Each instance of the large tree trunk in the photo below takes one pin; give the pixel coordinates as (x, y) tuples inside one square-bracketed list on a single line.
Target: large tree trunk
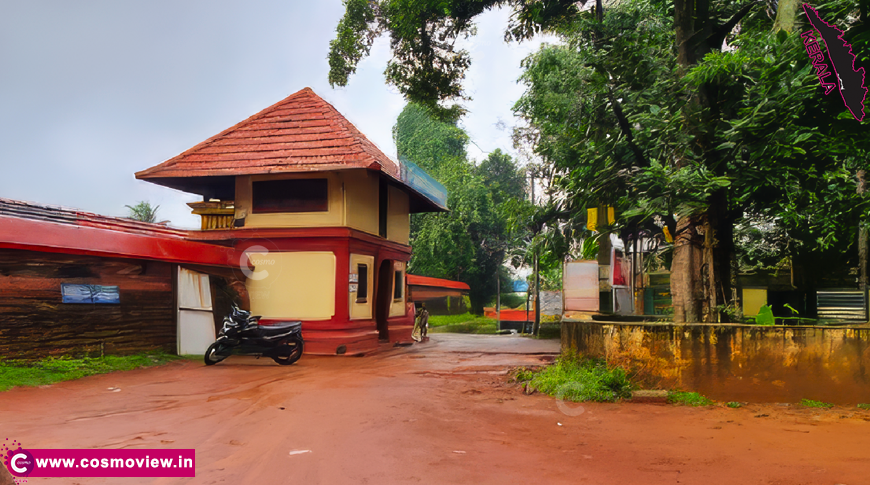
[(701, 272), (719, 252), (862, 238), (687, 294), (701, 278)]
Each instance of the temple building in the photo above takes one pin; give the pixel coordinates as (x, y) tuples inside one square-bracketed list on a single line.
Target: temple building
[(320, 215), (303, 218)]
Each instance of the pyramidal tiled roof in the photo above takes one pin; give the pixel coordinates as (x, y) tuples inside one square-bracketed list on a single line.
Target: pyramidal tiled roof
[(302, 133)]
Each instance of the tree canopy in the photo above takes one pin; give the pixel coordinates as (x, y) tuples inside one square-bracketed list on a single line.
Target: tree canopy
[(143, 211), (704, 116), (468, 243), (426, 67)]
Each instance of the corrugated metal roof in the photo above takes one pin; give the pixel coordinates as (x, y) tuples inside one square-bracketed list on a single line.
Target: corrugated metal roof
[(299, 134), (37, 227), (63, 215)]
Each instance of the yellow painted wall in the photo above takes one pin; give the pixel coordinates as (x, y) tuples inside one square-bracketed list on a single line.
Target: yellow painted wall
[(753, 300), (362, 309), (398, 216), (353, 202), (397, 307), (331, 218), (293, 285), (361, 200)]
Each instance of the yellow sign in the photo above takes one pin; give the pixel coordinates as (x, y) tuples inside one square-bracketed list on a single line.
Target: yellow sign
[(592, 217), (668, 237)]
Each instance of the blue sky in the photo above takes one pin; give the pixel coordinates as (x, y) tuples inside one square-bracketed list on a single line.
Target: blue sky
[(95, 90)]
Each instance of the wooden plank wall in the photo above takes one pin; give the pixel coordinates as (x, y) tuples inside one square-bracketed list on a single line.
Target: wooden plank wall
[(35, 323)]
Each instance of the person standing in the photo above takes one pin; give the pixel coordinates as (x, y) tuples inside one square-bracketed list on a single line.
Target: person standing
[(421, 324)]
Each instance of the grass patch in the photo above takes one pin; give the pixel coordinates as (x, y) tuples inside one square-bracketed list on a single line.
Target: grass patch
[(576, 379), (734, 404), (809, 403), (15, 373), (864, 406), (465, 328), (463, 319), (464, 323), (688, 399)]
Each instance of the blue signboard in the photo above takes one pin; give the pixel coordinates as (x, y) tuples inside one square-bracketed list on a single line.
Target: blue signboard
[(520, 286), (422, 182), (90, 294)]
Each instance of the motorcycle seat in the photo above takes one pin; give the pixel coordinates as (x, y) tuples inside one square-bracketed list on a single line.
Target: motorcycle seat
[(278, 328)]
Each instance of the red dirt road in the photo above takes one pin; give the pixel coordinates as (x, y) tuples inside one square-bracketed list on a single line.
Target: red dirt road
[(433, 413)]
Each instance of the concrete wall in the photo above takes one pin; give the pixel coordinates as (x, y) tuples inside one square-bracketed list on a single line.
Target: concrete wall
[(361, 201), (733, 362), (551, 303)]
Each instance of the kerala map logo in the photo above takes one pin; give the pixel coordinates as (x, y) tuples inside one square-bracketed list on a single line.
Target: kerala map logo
[(846, 78)]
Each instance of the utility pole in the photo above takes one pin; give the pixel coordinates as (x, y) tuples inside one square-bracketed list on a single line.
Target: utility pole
[(497, 302), (862, 243), (536, 326)]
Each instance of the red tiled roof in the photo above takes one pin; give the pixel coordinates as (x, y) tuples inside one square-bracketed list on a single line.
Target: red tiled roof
[(416, 280), (299, 134)]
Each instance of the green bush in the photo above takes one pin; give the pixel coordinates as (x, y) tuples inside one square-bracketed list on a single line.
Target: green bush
[(523, 374), (864, 406), (809, 403), (513, 300), (734, 404), (688, 399), (765, 316), (577, 379)]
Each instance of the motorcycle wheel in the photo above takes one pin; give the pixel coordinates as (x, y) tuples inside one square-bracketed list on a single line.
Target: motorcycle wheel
[(294, 355), (212, 354)]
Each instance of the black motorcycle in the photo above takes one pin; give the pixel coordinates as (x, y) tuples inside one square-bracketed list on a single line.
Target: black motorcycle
[(243, 334)]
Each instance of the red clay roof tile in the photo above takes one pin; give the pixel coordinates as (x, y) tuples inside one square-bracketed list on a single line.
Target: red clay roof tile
[(299, 134)]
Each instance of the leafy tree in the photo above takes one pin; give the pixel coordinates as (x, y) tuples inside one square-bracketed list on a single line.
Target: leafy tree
[(143, 211), (426, 66), (643, 110), (469, 242), (501, 175), (433, 145), (734, 138)]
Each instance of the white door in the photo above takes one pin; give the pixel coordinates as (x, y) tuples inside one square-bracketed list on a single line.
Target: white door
[(195, 315)]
